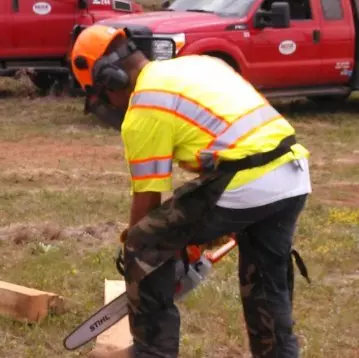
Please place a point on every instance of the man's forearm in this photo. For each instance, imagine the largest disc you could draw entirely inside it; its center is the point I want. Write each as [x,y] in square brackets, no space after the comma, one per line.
[142,204]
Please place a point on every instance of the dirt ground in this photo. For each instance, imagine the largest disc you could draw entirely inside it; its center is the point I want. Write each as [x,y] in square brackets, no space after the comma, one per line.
[42,152]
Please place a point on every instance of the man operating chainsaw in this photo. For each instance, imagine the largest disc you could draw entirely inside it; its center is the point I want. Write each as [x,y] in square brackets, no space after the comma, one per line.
[252,180]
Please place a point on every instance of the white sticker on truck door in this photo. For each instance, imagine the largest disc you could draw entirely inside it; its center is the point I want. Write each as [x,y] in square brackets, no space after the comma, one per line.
[41,8]
[101,2]
[287,47]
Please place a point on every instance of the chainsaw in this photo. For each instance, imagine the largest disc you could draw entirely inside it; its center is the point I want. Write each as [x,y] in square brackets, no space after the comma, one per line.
[188,277]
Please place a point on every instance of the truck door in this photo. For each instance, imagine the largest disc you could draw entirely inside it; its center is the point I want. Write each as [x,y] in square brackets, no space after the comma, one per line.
[5,29]
[289,57]
[337,41]
[42,27]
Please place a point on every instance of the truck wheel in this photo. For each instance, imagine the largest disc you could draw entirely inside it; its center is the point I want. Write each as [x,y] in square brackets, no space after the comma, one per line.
[330,99]
[43,81]
[74,88]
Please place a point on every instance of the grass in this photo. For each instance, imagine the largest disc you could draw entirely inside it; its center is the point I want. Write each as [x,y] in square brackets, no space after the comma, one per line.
[66,206]
[64,197]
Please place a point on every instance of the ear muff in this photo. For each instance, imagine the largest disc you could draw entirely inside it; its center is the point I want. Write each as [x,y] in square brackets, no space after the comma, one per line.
[110,77]
[107,72]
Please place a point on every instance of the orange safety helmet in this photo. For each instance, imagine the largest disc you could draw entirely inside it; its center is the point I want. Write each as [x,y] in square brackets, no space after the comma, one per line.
[89,46]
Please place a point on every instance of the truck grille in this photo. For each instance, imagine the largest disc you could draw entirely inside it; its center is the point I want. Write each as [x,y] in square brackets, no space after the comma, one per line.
[138,31]
[122,5]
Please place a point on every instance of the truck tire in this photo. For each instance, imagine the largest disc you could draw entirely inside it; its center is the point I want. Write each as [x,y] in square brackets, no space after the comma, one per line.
[47,83]
[43,81]
[330,99]
[74,88]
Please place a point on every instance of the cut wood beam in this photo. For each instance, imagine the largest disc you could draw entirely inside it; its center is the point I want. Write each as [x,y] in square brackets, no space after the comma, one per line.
[116,342]
[28,304]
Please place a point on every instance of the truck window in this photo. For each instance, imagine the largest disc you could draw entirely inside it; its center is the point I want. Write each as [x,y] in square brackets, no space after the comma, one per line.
[299,9]
[332,9]
[220,7]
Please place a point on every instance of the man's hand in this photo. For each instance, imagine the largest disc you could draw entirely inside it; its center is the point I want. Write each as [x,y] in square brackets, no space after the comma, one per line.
[188,168]
[142,204]
[123,236]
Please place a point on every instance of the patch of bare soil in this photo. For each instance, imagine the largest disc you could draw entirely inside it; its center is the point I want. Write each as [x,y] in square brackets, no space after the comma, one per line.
[56,179]
[19,234]
[342,280]
[339,193]
[43,153]
[350,159]
[63,177]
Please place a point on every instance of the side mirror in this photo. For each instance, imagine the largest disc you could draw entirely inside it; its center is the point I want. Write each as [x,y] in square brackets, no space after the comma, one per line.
[165,4]
[75,32]
[82,4]
[277,17]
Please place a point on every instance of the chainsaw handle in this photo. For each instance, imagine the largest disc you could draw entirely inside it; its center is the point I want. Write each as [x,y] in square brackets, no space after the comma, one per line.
[215,256]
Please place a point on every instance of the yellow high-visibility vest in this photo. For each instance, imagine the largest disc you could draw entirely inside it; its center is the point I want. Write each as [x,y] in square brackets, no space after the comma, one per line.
[196,111]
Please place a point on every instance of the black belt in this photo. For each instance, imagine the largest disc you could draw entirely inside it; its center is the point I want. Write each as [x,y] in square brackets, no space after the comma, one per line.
[258,159]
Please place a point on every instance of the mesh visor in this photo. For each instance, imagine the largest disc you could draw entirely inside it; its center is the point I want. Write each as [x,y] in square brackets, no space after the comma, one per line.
[99,105]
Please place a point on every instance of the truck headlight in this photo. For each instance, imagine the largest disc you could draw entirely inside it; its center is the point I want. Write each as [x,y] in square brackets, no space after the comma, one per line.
[163,50]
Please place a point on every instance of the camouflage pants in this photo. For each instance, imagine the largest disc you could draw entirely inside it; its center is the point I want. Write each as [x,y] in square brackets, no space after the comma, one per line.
[265,238]
[150,251]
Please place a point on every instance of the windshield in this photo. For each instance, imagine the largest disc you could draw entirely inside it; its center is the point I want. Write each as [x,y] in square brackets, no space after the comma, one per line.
[223,7]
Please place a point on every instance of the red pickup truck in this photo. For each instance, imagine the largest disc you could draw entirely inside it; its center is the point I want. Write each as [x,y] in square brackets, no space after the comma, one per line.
[284,48]
[36,34]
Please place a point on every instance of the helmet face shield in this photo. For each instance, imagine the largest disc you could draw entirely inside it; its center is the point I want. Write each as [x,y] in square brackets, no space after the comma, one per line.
[99,105]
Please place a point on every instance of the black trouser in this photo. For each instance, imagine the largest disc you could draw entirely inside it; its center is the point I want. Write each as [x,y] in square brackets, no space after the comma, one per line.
[265,237]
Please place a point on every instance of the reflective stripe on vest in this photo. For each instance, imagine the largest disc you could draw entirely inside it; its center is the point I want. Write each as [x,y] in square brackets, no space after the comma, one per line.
[238,130]
[183,107]
[151,168]
[225,134]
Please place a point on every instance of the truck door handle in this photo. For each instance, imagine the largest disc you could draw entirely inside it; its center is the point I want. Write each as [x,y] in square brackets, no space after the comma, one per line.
[316,36]
[15,5]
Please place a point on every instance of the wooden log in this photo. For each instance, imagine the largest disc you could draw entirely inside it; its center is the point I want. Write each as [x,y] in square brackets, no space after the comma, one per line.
[28,304]
[116,342]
